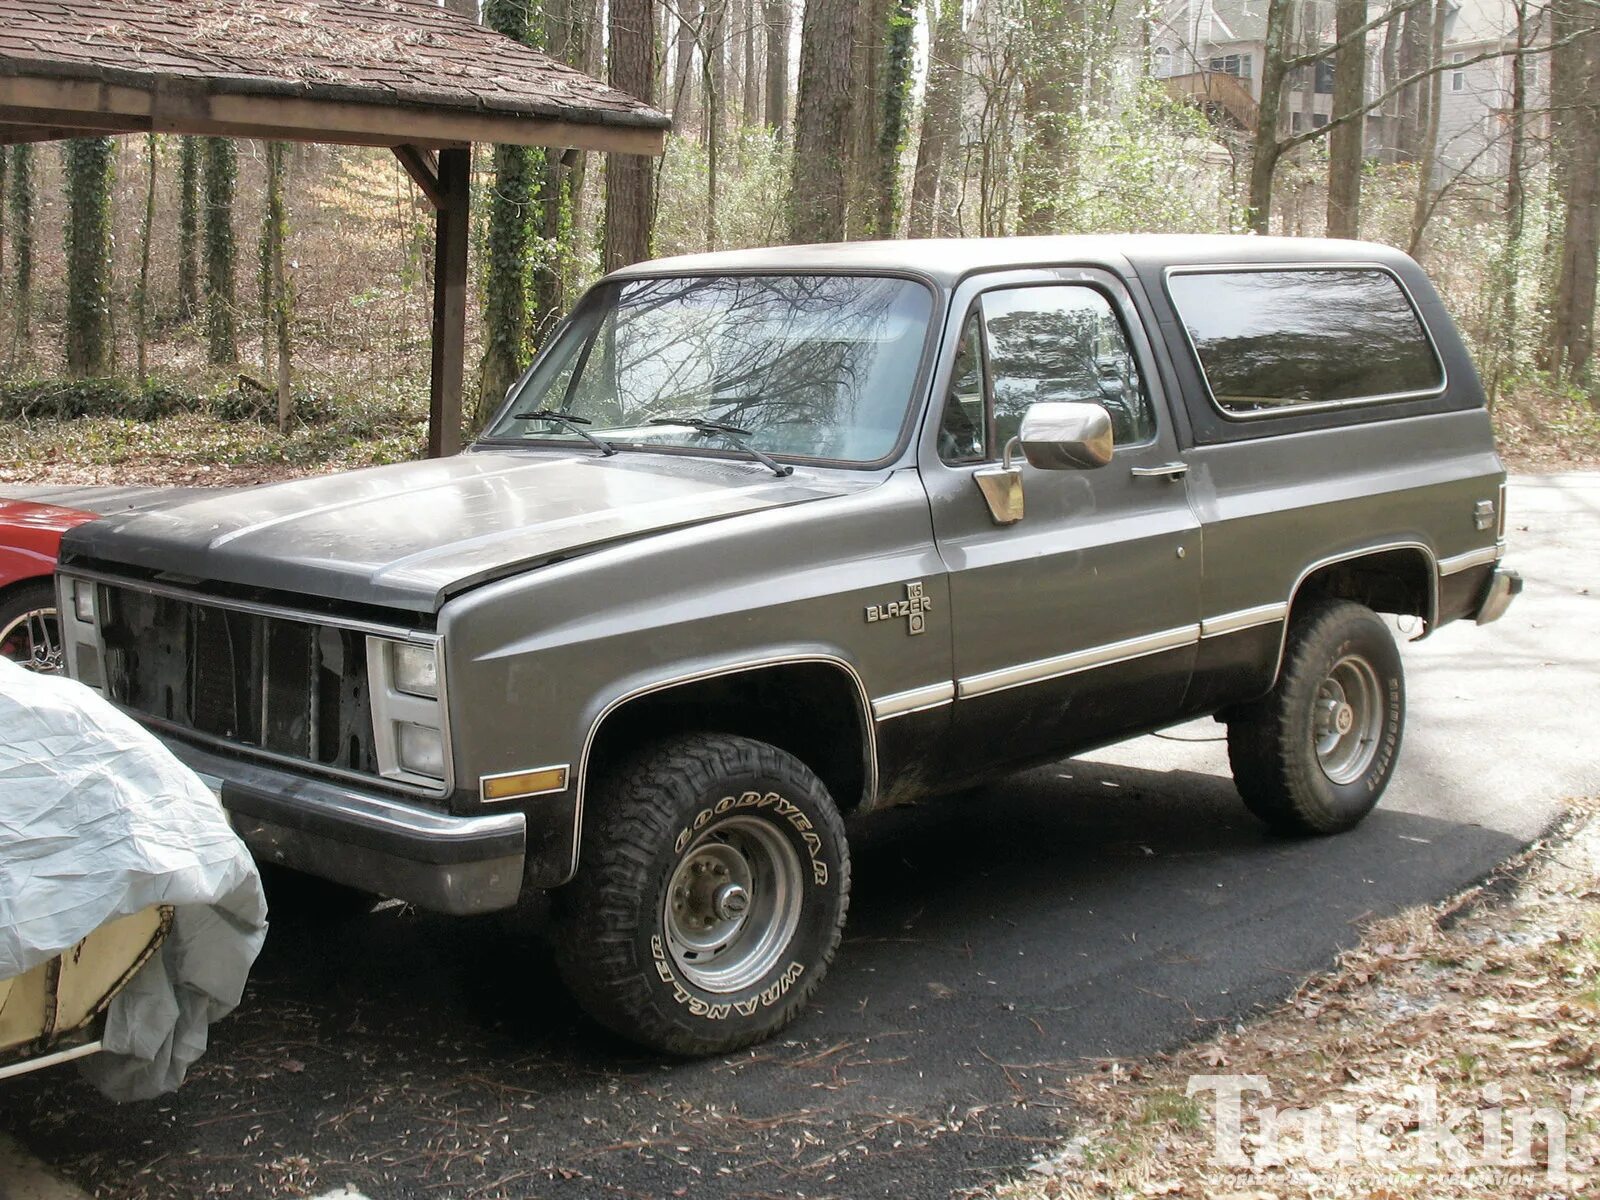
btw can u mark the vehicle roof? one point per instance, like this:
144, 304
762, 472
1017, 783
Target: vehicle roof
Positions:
947, 260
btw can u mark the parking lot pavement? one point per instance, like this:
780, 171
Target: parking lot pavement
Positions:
1107, 906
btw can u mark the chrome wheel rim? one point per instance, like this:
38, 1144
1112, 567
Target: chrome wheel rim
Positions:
733, 904
33, 640
1347, 719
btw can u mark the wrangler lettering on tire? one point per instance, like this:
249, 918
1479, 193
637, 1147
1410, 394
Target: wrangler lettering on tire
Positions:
710, 897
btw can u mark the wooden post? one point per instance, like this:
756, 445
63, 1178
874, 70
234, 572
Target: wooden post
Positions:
449, 302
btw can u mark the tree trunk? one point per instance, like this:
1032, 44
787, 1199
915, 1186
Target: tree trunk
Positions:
90, 167
777, 105
275, 282
630, 180
5, 161
866, 118
560, 184
896, 103
714, 77
1268, 149
508, 241
684, 85
750, 101
1415, 54
822, 124
1051, 73
141, 304
1505, 344
1575, 85
1347, 142
220, 174
20, 203
1429, 148
941, 116
188, 228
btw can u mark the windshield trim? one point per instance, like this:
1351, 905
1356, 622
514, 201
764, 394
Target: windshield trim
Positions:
916, 401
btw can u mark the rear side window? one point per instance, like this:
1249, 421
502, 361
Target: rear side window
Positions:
1272, 340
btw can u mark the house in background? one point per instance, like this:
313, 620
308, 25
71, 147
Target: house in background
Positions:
1211, 52
1475, 102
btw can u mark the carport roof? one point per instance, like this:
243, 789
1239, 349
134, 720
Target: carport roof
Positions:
365, 72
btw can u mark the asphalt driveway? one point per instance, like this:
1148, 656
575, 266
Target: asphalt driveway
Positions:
1103, 907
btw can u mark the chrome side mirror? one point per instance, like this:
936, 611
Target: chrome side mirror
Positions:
1062, 436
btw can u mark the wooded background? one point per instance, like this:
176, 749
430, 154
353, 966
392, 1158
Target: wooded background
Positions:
142, 277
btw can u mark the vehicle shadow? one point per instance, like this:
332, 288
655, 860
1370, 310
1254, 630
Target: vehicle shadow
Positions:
997, 938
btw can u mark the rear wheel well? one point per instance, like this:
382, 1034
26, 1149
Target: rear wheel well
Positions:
1388, 581
811, 709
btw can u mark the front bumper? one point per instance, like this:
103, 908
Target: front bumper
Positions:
1504, 586
367, 840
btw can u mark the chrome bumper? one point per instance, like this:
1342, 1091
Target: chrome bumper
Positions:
1504, 586
367, 840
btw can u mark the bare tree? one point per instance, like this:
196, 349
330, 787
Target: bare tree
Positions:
776, 14
822, 123
1428, 156
630, 181
683, 76
1346, 145
1575, 105
1051, 76
750, 77
941, 115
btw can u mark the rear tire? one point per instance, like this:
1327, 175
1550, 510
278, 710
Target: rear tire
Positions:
1314, 755
710, 897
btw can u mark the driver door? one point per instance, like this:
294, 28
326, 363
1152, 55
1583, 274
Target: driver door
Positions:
1079, 623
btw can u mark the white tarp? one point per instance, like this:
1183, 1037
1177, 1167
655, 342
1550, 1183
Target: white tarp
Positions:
97, 821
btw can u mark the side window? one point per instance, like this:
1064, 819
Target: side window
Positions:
1270, 340
964, 427
1062, 343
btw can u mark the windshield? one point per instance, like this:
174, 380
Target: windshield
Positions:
815, 366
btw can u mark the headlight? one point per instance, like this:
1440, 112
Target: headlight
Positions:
421, 750
411, 739
416, 670
83, 602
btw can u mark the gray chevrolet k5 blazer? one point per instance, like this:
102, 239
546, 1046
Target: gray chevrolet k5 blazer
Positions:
768, 538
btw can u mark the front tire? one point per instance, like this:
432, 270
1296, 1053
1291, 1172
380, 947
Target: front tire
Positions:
710, 898
30, 628
1315, 754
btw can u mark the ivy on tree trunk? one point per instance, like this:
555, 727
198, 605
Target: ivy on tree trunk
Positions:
508, 243
90, 164
276, 298
221, 170
20, 204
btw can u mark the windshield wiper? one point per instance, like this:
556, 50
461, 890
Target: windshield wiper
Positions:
576, 424
729, 433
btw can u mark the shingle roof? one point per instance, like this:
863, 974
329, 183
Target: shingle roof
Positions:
407, 53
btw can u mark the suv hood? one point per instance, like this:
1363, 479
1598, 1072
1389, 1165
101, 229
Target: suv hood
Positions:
413, 535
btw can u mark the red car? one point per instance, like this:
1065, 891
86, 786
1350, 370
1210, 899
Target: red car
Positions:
30, 537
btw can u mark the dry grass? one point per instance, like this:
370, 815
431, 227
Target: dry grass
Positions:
1477, 994
1541, 430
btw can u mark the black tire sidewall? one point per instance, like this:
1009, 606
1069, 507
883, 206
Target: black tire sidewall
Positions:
611, 929
24, 598
1349, 631
795, 814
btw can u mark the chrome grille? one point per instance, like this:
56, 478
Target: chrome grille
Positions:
292, 688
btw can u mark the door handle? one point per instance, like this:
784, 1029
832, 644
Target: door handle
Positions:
1172, 470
